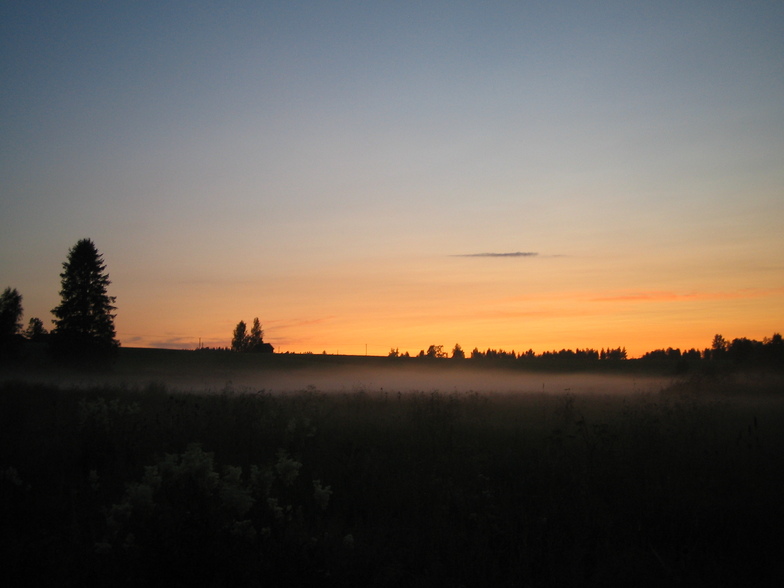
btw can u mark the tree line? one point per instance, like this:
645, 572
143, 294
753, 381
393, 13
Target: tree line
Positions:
744, 351
84, 329
438, 352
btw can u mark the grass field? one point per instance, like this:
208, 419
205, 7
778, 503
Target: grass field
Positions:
125, 478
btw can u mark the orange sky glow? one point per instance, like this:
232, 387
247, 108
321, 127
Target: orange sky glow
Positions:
521, 175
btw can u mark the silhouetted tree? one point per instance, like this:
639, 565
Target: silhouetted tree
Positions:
614, 354
657, 354
255, 339
10, 321
10, 312
35, 330
243, 341
84, 322
457, 352
256, 332
719, 347
774, 350
743, 350
239, 341
436, 351
496, 354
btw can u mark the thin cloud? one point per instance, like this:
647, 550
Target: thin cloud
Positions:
654, 296
509, 254
297, 322
664, 296
176, 343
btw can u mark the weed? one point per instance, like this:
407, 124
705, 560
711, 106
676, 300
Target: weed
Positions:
151, 485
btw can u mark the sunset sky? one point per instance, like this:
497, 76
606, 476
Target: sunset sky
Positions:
397, 174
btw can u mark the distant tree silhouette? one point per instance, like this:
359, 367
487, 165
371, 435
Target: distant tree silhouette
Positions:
253, 342
615, 354
744, 350
240, 338
774, 350
256, 342
84, 322
669, 354
494, 354
719, 347
741, 351
436, 351
10, 312
35, 330
10, 321
256, 333
748, 352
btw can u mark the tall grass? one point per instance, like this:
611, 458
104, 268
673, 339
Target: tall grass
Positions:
136, 486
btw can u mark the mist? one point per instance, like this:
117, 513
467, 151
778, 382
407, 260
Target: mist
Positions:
354, 377
416, 379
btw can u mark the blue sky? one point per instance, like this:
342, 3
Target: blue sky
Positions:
324, 165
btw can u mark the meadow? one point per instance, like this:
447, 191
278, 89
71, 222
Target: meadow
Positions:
176, 471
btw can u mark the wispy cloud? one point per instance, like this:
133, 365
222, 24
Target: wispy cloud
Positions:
663, 296
162, 342
509, 254
654, 296
300, 322
178, 343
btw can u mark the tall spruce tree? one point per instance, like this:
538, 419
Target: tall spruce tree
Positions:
84, 322
10, 312
10, 322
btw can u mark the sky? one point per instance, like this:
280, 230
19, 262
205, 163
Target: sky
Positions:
363, 176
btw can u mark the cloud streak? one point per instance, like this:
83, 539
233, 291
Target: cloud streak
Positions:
300, 322
664, 296
509, 254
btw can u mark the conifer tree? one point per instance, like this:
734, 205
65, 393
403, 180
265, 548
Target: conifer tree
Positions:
10, 322
84, 322
239, 340
256, 336
35, 330
10, 312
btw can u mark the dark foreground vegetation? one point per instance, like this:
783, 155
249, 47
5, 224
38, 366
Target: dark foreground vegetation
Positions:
145, 486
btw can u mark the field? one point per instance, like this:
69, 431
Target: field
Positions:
180, 469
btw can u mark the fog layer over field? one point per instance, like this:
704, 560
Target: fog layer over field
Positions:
189, 372
394, 472
411, 378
